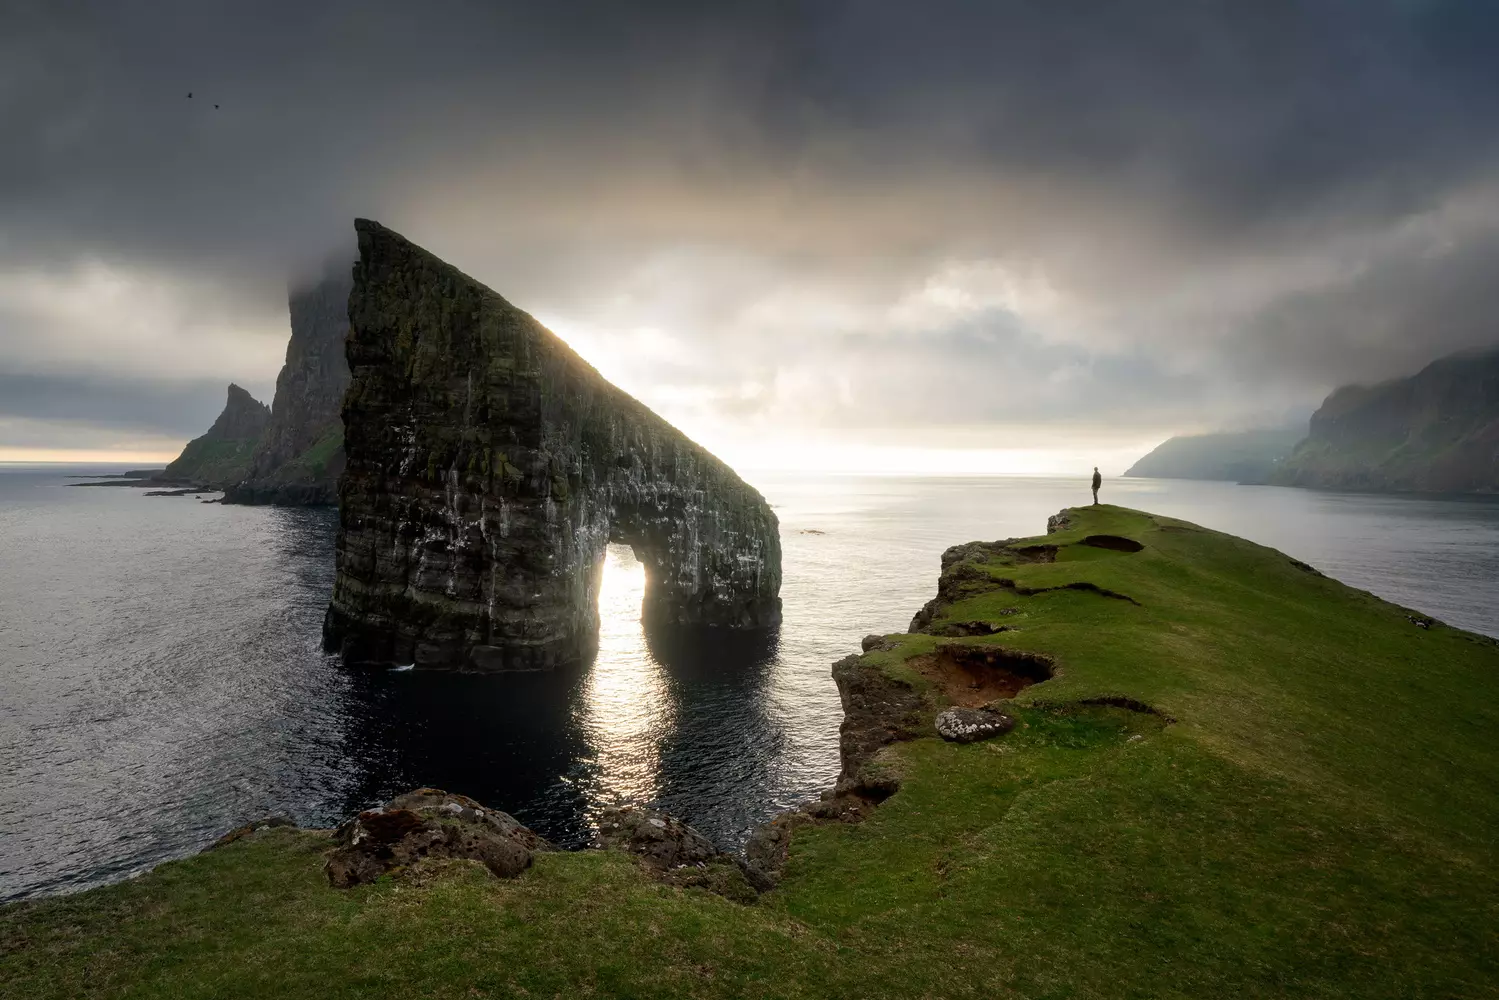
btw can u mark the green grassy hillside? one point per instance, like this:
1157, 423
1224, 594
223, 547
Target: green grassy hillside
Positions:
1436, 431
1242, 456
1243, 780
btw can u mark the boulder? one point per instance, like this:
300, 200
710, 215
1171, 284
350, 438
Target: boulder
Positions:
970, 725
429, 823
662, 840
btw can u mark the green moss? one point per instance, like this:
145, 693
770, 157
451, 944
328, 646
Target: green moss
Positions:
1318, 822
217, 462
313, 463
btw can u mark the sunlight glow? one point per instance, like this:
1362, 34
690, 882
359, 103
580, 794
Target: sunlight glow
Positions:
624, 698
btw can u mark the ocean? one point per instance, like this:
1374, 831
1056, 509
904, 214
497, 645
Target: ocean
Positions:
162, 678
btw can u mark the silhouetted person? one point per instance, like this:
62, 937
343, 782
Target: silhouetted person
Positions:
1097, 482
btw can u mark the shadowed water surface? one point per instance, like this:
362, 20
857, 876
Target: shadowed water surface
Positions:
161, 677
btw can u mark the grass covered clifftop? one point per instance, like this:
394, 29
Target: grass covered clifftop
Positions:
1241, 779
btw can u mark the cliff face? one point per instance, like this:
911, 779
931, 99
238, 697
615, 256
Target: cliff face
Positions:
1435, 432
300, 456
221, 456
1244, 456
488, 468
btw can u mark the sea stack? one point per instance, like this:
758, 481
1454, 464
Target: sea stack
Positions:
220, 456
298, 459
488, 466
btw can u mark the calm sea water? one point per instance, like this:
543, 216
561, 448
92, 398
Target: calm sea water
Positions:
161, 678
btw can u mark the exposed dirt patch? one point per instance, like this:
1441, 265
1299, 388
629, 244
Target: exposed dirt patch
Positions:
964, 630
972, 675
1114, 543
1124, 701
1091, 588
1035, 553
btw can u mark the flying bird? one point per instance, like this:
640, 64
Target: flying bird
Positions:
189, 95
215, 107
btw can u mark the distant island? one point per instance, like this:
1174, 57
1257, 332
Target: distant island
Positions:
1434, 432
1242, 456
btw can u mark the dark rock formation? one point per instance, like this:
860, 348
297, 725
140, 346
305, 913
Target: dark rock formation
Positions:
488, 468
429, 823
300, 456
877, 710
220, 457
1244, 456
1434, 432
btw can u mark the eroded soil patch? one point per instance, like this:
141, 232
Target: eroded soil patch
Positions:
975, 675
1114, 543
964, 630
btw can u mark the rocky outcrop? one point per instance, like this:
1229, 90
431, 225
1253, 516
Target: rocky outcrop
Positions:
962, 724
1434, 432
488, 468
675, 853
220, 457
298, 459
1239, 457
429, 823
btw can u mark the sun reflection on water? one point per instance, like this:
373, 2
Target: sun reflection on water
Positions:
625, 704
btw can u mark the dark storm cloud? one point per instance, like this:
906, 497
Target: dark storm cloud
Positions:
1214, 196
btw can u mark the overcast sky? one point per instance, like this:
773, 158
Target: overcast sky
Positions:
809, 233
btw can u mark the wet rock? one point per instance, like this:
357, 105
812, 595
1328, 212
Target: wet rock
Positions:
489, 466
429, 823
970, 725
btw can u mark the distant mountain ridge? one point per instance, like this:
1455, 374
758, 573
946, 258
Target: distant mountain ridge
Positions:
290, 453
1433, 432
1241, 456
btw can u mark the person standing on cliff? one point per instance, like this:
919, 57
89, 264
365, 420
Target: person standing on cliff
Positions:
1097, 482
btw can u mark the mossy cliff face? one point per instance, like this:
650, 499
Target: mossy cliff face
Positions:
488, 468
299, 457
220, 457
1434, 432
